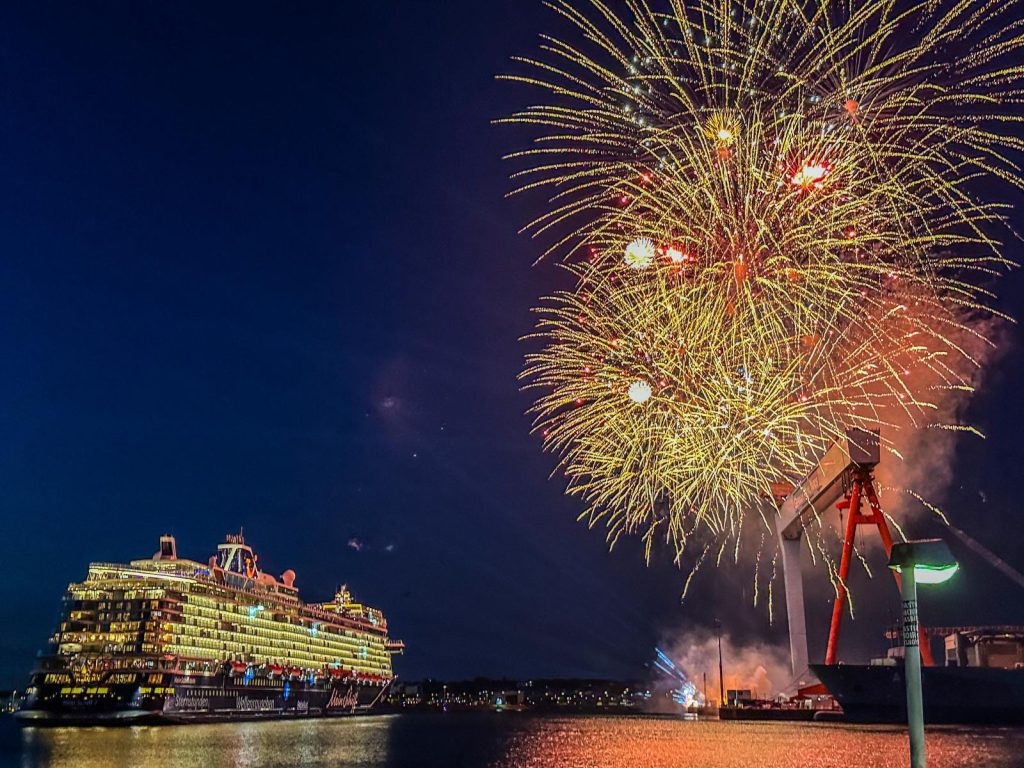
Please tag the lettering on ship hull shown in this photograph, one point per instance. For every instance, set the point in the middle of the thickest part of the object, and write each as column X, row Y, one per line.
column 187, row 704
column 249, row 704
column 348, row 700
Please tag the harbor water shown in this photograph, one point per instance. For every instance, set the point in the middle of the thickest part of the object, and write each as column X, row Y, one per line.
column 503, row 740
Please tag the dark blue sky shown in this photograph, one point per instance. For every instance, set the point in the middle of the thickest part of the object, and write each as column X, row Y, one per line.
column 257, row 269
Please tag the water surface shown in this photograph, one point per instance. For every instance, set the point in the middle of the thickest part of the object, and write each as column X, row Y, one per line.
column 505, row 740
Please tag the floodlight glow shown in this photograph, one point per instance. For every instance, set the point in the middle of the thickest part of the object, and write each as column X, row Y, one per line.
column 929, row 574
column 931, row 560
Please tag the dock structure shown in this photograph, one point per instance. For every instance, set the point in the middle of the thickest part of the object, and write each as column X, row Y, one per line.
column 841, row 478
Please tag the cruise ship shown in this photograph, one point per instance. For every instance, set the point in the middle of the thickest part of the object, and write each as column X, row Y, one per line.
column 171, row 640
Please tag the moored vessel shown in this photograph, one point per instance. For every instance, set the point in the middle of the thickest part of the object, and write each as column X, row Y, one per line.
column 981, row 681
column 172, row 640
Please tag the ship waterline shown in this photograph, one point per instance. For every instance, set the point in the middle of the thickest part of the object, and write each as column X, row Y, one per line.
column 173, row 640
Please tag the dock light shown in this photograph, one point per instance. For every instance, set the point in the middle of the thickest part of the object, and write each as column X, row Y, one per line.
column 928, row 561
column 931, row 559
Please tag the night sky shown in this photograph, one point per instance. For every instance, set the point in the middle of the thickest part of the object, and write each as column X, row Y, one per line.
column 258, row 269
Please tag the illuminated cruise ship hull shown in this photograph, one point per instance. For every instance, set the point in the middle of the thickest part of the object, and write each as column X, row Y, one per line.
column 198, row 701
column 168, row 640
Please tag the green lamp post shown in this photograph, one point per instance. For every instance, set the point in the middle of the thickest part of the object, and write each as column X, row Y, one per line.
column 925, row 561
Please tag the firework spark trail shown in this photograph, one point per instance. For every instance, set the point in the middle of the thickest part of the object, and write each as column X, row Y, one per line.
column 684, row 691
column 768, row 209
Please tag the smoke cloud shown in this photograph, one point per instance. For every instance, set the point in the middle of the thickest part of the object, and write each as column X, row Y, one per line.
column 758, row 667
column 927, row 446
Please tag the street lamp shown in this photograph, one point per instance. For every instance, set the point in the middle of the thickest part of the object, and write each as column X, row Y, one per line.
column 927, row 561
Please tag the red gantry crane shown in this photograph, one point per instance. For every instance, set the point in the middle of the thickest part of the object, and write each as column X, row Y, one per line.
column 843, row 479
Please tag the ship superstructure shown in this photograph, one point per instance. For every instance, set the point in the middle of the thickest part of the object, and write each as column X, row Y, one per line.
column 172, row 639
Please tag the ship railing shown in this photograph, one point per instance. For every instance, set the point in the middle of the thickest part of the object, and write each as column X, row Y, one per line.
column 193, row 571
column 345, row 620
column 258, row 590
column 995, row 629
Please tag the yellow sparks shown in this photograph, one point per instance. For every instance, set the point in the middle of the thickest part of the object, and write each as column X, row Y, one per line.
column 779, row 242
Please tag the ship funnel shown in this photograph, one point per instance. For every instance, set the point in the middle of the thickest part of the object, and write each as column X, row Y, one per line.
column 168, row 548
column 288, row 577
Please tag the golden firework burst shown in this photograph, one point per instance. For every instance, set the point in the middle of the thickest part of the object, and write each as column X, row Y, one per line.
column 793, row 185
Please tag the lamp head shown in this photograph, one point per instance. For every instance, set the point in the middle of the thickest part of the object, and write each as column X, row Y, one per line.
column 931, row 560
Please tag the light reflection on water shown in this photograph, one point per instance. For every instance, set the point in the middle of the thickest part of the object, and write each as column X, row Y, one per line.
column 357, row 742
column 506, row 740
column 657, row 743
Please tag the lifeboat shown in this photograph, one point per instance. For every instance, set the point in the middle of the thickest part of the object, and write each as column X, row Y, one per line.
column 275, row 670
column 238, row 668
